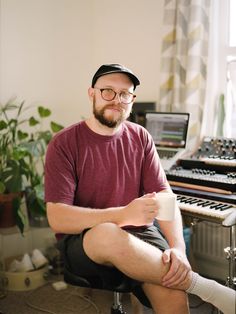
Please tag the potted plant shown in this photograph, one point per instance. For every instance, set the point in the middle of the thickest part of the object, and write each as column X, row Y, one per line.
column 36, row 148
column 23, row 143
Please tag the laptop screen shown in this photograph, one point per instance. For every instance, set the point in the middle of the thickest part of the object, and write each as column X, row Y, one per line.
column 168, row 129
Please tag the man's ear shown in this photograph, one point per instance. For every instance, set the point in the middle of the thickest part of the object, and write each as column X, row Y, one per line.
column 91, row 93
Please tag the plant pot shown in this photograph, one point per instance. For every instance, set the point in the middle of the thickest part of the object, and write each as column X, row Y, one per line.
column 7, row 214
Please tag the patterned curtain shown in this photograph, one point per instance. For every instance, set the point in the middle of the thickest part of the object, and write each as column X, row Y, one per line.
column 184, row 60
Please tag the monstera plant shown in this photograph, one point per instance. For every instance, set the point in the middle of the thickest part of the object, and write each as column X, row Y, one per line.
column 23, row 143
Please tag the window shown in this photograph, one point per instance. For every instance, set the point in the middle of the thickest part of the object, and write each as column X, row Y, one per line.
column 232, row 23
column 230, row 117
column 219, row 120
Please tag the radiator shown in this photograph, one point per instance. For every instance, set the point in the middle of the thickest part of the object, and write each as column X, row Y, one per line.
column 208, row 241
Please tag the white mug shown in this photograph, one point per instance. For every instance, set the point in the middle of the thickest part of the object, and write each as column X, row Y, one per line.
column 167, row 206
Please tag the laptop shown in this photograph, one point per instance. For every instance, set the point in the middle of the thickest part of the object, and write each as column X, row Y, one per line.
column 169, row 132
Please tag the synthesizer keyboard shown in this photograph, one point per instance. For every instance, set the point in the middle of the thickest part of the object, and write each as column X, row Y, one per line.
column 211, row 167
column 220, row 161
column 205, row 207
column 203, row 177
column 214, row 153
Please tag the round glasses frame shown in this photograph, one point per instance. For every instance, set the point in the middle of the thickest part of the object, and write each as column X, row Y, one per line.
column 109, row 94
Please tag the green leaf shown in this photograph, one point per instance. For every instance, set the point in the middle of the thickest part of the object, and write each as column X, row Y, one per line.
column 20, row 108
column 2, row 187
column 19, row 152
column 35, row 200
column 46, row 136
column 3, row 125
column 33, row 121
column 56, row 127
column 11, row 176
column 44, row 112
column 22, row 135
column 19, row 216
column 39, row 190
column 35, row 148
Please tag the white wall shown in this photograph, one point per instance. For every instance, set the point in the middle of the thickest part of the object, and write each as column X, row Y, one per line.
column 50, row 49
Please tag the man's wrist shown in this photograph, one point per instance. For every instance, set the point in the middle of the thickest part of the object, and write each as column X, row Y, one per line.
column 180, row 248
column 118, row 215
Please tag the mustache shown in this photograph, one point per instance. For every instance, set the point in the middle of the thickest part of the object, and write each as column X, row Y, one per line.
column 110, row 106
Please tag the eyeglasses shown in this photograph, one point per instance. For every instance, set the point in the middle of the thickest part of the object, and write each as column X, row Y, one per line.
column 109, row 94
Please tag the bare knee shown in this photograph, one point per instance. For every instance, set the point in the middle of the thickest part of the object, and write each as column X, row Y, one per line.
column 103, row 234
column 101, row 241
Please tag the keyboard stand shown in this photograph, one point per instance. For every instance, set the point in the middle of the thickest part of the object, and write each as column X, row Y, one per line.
column 229, row 222
column 230, row 251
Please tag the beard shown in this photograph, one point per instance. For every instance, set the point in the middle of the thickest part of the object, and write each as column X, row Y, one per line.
column 109, row 122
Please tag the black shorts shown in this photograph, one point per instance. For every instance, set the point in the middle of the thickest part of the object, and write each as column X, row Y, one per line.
column 77, row 262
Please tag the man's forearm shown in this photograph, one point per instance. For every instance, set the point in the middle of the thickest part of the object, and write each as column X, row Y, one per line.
column 72, row 219
column 173, row 231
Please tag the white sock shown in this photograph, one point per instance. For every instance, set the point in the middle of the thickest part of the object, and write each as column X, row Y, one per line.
column 212, row 292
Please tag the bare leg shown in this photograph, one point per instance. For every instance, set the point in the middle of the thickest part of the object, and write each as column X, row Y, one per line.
column 159, row 295
column 107, row 244
column 137, row 307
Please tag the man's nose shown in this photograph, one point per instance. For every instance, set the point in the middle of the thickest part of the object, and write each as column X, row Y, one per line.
column 117, row 98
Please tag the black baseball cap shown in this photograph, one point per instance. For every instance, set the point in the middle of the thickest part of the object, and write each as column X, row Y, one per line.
column 114, row 68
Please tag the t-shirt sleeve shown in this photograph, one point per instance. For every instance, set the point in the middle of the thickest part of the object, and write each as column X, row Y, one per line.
column 60, row 180
column 154, row 178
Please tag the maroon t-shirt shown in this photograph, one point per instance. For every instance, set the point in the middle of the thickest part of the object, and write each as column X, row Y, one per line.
column 91, row 170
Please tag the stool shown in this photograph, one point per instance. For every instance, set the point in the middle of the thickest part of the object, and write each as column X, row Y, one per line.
column 96, row 283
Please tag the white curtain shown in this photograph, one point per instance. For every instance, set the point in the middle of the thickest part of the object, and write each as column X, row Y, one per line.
column 219, row 118
column 229, row 127
column 214, row 110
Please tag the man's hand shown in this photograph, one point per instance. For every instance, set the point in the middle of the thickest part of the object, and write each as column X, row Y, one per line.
column 179, row 268
column 141, row 211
